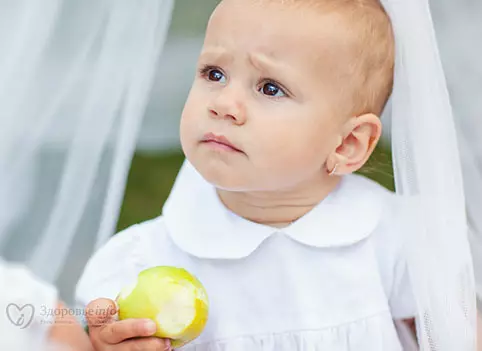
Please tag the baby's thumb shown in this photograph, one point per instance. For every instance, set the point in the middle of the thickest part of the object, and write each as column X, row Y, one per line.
column 100, row 312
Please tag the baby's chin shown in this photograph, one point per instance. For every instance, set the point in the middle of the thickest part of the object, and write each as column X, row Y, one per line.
column 228, row 181
column 222, row 176
column 236, row 181
column 233, row 174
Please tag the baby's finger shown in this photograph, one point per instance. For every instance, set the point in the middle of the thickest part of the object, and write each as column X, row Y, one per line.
column 147, row 344
column 100, row 312
column 117, row 332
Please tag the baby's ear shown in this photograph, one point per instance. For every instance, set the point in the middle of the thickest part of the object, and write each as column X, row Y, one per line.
column 360, row 139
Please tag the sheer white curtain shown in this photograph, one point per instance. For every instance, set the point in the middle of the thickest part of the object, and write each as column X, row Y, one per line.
column 459, row 30
column 437, row 166
column 75, row 78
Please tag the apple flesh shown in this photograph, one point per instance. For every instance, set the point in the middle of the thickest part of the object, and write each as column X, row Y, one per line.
column 172, row 297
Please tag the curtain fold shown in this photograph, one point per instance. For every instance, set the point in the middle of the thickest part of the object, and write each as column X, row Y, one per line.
column 73, row 92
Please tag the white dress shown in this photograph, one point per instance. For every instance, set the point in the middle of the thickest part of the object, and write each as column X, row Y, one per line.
column 27, row 310
column 333, row 280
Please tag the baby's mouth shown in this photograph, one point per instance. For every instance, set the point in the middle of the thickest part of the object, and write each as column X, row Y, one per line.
column 220, row 142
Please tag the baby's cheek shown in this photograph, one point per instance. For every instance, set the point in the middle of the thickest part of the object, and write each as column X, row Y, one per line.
column 293, row 150
column 286, row 164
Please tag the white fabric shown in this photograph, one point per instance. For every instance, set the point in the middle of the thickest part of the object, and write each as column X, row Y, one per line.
column 458, row 29
column 75, row 77
column 23, row 293
column 225, row 228
column 281, row 289
column 428, row 174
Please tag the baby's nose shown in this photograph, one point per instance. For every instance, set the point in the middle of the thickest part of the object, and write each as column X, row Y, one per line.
column 214, row 113
column 224, row 107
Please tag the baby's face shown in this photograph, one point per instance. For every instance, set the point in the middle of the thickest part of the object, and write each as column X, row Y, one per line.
column 268, row 85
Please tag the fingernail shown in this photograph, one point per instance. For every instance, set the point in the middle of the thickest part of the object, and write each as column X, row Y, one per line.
column 150, row 327
column 115, row 313
column 168, row 345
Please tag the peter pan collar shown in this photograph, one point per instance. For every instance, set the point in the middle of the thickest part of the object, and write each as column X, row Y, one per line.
column 202, row 226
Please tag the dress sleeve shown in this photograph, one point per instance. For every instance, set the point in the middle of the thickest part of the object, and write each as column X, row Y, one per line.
column 28, row 308
column 401, row 300
column 391, row 247
column 111, row 268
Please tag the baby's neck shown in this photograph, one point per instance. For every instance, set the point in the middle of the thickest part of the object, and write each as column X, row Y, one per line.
column 280, row 208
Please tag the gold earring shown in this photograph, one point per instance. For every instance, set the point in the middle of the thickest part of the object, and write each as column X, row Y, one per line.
column 333, row 171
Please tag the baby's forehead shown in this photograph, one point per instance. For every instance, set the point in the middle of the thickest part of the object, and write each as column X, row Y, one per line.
column 349, row 14
column 309, row 22
column 277, row 26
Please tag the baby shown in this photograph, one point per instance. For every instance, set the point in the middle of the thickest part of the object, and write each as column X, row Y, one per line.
column 295, row 251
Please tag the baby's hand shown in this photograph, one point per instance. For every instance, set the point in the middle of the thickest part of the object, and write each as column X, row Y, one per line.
column 108, row 334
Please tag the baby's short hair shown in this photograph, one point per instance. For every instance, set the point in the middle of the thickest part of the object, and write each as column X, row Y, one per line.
column 375, row 46
column 369, row 79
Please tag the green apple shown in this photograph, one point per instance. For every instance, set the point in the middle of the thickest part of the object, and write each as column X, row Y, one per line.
column 171, row 297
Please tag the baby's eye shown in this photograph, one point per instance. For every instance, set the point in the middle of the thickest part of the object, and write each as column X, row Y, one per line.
column 215, row 75
column 271, row 89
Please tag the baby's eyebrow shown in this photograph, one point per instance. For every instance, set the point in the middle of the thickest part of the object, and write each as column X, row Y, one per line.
column 265, row 63
column 260, row 61
column 218, row 54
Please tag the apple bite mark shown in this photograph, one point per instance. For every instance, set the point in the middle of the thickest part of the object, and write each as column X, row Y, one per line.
column 178, row 313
